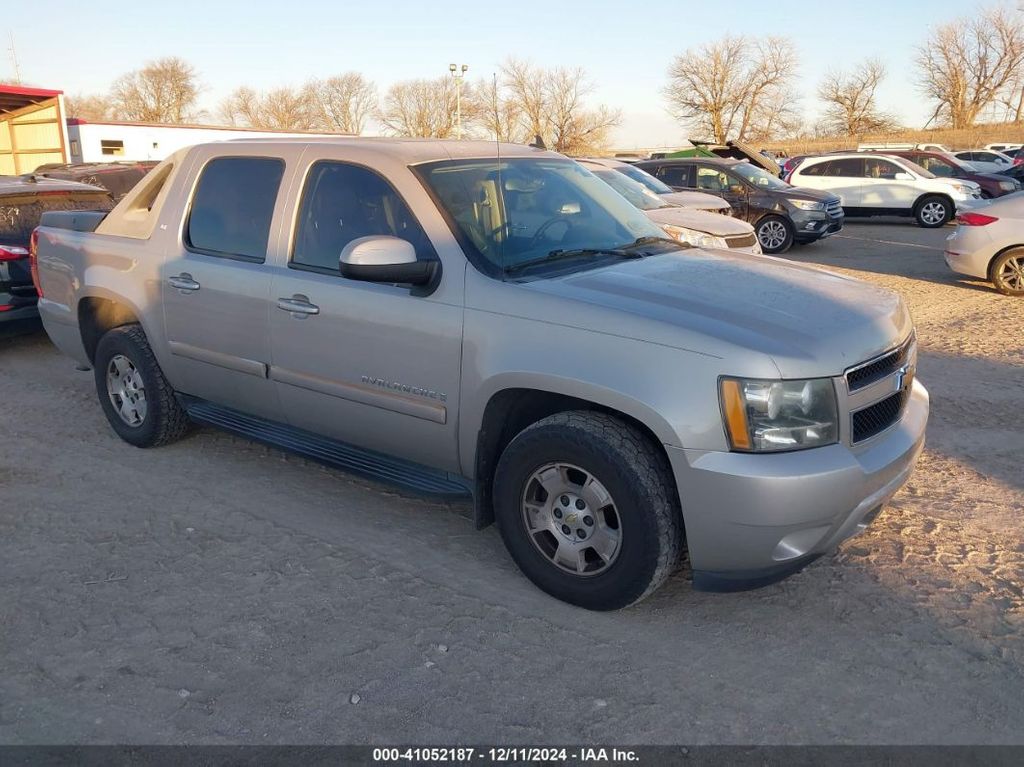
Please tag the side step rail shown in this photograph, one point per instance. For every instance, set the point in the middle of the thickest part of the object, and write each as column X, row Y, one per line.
column 366, row 463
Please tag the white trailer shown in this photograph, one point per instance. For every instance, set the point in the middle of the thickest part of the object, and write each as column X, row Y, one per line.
column 133, row 142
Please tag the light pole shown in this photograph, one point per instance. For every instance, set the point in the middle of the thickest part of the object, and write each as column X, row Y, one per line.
column 459, row 73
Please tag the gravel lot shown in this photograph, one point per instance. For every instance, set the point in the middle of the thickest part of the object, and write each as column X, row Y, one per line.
column 218, row 591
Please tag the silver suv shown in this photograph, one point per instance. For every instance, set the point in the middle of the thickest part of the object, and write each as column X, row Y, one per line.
column 496, row 322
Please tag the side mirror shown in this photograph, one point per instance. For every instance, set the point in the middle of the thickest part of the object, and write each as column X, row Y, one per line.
column 902, row 176
column 382, row 258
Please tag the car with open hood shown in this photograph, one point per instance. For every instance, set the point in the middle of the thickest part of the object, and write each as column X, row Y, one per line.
column 781, row 214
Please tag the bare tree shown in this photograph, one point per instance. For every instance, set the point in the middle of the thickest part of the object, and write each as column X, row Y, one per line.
column 967, row 64
column 88, row 107
column 851, row 109
column 551, row 103
column 279, row 109
column 735, row 87
column 163, row 91
column 502, row 118
column 342, row 103
column 425, row 108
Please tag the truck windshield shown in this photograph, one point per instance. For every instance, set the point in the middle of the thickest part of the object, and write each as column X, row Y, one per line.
column 536, row 210
column 645, row 178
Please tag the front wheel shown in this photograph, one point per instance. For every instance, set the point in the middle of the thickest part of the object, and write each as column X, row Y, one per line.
column 933, row 212
column 588, row 509
column 136, row 398
column 775, row 234
column 1008, row 272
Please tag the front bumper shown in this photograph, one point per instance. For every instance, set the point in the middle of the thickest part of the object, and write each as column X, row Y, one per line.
column 809, row 225
column 753, row 518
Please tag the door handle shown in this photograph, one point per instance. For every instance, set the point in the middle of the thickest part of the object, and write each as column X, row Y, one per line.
column 184, row 283
column 298, row 306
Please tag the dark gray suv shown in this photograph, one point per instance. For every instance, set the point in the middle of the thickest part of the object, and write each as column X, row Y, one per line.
column 780, row 214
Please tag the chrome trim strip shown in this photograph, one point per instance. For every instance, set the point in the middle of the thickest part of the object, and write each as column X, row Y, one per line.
column 219, row 359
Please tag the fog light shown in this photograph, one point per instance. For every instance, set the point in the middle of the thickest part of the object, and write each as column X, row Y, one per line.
column 810, row 226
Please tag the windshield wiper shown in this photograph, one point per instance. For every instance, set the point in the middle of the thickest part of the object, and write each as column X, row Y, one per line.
column 658, row 241
column 560, row 255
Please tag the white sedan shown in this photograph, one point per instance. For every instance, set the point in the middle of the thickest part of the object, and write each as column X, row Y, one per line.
column 989, row 244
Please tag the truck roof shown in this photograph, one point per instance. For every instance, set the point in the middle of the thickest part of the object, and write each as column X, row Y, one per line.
column 407, row 150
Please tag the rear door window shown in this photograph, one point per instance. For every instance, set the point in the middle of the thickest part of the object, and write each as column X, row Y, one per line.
column 675, row 175
column 849, row 167
column 342, row 202
column 233, row 206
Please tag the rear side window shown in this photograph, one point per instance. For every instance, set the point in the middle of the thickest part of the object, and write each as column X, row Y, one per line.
column 818, row 169
column 850, row 167
column 675, row 175
column 343, row 202
column 232, row 207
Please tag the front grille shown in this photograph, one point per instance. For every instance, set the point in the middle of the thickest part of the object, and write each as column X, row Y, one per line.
column 834, row 208
column 877, row 418
column 877, row 369
column 741, row 241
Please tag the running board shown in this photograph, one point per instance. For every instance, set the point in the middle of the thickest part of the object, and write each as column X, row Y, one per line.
column 366, row 463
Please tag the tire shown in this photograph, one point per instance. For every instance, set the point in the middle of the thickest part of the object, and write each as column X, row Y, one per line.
column 1007, row 272
column 633, row 509
column 933, row 211
column 775, row 234
column 127, row 372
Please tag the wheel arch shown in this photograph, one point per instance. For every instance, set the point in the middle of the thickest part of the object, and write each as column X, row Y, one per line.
column 101, row 312
column 997, row 254
column 510, row 410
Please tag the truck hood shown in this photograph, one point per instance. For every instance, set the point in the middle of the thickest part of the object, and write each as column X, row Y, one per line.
column 727, row 304
column 701, row 220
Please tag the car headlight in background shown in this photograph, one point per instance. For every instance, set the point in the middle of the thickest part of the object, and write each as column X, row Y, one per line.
column 768, row 416
column 807, row 204
column 694, row 237
column 1008, row 186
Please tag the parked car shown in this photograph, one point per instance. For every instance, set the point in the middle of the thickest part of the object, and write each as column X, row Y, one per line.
column 696, row 227
column 118, row 178
column 898, row 146
column 690, row 200
column 1004, row 148
column 780, row 214
column 426, row 313
column 986, row 161
column 872, row 184
column 945, row 165
column 23, row 200
column 988, row 243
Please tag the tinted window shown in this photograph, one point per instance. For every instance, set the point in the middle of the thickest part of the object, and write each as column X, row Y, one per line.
column 818, row 169
column 343, row 202
column 883, row 169
column 674, row 175
column 937, row 165
column 712, row 180
column 850, row 167
column 232, row 207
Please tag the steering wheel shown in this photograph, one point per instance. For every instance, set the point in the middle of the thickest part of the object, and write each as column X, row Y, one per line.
column 543, row 228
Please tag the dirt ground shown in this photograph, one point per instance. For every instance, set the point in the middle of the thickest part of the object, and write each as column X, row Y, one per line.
column 218, row 591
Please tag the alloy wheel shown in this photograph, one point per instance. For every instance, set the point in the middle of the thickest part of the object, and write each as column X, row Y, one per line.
column 1011, row 273
column 772, row 235
column 933, row 212
column 571, row 519
column 126, row 390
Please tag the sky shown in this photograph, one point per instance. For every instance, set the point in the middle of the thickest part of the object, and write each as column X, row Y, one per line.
column 625, row 47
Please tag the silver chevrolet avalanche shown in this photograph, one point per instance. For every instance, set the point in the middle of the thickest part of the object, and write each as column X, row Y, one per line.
column 462, row 318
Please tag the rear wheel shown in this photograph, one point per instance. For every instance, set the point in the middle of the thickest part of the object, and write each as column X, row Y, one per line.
column 588, row 509
column 933, row 212
column 775, row 234
column 1008, row 272
column 136, row 398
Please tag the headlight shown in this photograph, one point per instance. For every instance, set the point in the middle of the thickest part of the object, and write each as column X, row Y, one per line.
column 694, row 237
column 807, row 204
column 1007, row 186
column 767, row 416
